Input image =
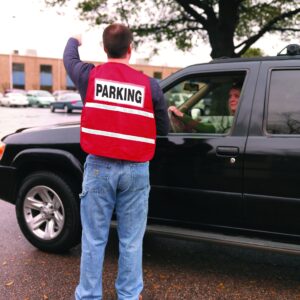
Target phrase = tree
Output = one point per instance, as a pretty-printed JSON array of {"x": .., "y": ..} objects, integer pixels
[
  {"x": 253, "y": 52},
  {"x": 230, "y": 26}
]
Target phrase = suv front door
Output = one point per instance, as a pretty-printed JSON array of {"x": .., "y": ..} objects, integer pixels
[{"x": 197, "y": 178}]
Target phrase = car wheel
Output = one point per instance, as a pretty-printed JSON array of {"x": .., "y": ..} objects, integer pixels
[
  {"x": 66, "y": 109},
  {"x": 52, "y": 108},
  {"x": 47, "y": 210}
]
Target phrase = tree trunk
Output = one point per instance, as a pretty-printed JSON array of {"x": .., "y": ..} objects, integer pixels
[
  {"x": 221, "y": 44},
  {"x": 221, "y": 33}
]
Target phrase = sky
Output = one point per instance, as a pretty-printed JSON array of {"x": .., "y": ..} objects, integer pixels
[{"x": 29, "y": 24}]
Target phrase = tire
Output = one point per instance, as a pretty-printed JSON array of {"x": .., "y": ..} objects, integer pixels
[
  {"x": 67, "y": 109},
  {"x": 48, "y": 199},
  {"x": 52, "y": 108}
]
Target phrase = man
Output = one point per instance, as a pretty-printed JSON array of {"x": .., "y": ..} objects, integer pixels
[
  {"x": 124, "y": 109},
  {"x": 198, "y": 126}
]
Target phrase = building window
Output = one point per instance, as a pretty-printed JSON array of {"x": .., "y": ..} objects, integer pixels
[
  {"x": 70, "y": 84},
  {"x": 46, "y": 77},
  {"x": 18, "y": 76},
  {"x": 157, "y": 75}
]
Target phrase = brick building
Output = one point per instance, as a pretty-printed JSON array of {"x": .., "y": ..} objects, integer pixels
[{"x": 32, "y": 72}]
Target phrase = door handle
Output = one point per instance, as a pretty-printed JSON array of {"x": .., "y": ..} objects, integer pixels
[{"x": 227, "y": 151}]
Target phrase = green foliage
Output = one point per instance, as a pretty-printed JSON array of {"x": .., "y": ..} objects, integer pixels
[
  {"x": 256, "y": 14},
  {"x": 253, "y": 52},
  {"x": 231, "y": 26}
]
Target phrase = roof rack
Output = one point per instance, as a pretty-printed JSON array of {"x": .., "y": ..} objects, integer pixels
[{"x": 291, "y": 49}]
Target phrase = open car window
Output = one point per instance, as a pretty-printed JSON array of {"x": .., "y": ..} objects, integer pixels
[{"x": 206, "y": 104}]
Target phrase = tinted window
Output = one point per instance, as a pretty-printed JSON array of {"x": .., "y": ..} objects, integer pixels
[
  {"x": 73, "y": 96},
  {"x": 204, "y": 103},
  {"x": 70, "y": 83},
  {"x": 284, "y": 102},
  {"x": 46, "y": 77},
  {"x": 18, "y": 76}
]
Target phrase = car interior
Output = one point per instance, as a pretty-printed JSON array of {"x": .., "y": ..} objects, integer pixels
[{"x": 203, "y": 99}]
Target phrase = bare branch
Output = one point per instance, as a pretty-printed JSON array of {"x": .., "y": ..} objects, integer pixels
[
  {"x": 263, "y": 30},
  {"x": 286, "y": 29},
  {"x": 186, "y": 6},
  {"x": 162, "y": 27}
]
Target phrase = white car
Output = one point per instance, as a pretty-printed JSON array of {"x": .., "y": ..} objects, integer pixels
[{"x": 14, "y": 99}]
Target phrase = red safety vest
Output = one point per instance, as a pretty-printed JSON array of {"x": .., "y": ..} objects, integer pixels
[{"x": 117, "y": 120}]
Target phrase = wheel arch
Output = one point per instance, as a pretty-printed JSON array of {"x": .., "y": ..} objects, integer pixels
[{"x": 57, "y": 161}]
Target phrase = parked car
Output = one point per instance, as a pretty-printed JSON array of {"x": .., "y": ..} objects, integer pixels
[
  {"x": 238, "y": 185},
  {"x": 14, "y": 99},
  {"x": 68, "y": 102},
  {"x": 19, "y": 91},
  {"x": 39, "y": 98},
  {"x": 58, "y": 93}
]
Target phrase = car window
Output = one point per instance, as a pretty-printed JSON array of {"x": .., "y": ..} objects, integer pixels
[
  {"x": 44, "y": 94},
  {"x": 283, "y": 102},
  {"x": 206, "y": 104},
  {"x": 70, "y": 96}
]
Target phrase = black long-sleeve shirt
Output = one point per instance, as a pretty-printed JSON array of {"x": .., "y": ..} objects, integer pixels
[{"x": 79, "y": 72}]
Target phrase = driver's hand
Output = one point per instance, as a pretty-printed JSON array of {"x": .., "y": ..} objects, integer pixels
[{"x": 175, "y": 111}]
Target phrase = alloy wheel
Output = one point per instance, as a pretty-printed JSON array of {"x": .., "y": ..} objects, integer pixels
[{"x": 44, "y": 212}]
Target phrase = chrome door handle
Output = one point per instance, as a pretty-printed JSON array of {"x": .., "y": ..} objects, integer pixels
[{"x": 227, "y": 151}]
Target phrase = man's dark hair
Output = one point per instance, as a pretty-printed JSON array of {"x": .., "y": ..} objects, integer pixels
[{"x": 116, "y": 40}]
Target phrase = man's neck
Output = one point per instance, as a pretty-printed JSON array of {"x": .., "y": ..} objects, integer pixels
[{"x": 119, "y": 60}]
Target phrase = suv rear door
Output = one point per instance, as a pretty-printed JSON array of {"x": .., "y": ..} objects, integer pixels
[
  {"x": 272, "y": 160},
  {"x": 197, "y": 178}
]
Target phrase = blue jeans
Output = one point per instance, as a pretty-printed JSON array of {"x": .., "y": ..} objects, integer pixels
[{"x": 110, "y": 184}]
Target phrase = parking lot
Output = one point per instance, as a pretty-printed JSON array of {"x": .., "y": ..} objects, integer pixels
[
  {"x": 13, "y": 118},
  {"x": 173, "y": 269}
]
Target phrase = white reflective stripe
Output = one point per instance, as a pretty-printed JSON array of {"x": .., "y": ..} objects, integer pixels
[
  {"x": 118, "y": 135},
  {"x": 120, "y": 109}
]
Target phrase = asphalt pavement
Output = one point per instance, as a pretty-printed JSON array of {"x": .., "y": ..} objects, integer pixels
[
  {"x": 173, "y": 269},
  {"x": 13, "y": 118}
]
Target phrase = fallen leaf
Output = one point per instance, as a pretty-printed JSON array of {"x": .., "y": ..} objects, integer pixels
[
  {"x": 4, "y": 263},
  {"x": 45, "y": 297},
  {"x": 9, "y": 283},
  {"x": 221, "y": 286}
]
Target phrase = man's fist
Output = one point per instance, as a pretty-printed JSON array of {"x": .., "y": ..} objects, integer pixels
[
  {"x": 78, "y": 38},
  {"x": 176, "y": 111}
]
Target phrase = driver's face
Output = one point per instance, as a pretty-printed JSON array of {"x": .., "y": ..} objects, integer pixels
[{"x": 234, "y": 96}]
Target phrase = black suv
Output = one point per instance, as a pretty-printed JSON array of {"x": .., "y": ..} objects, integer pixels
[{"x": 238, "y": 184}]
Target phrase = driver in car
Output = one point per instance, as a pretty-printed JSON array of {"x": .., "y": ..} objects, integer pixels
[{"x": 192, "y": 125}]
